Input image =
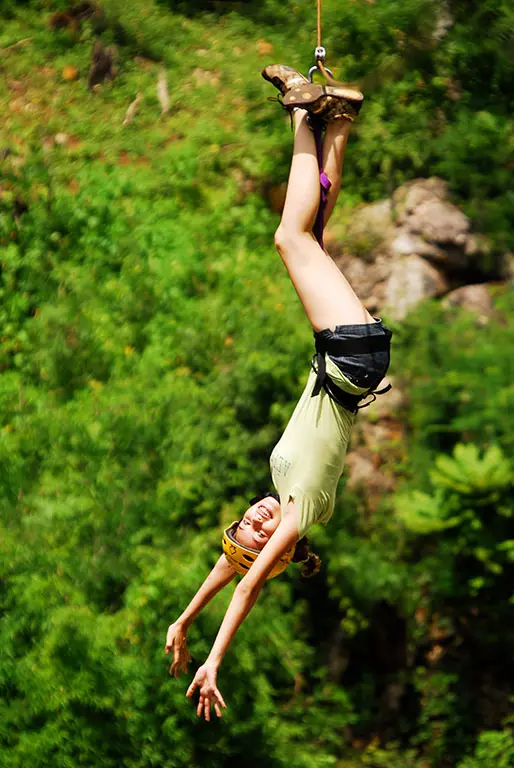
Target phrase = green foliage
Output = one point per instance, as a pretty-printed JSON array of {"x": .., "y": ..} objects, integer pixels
[
  {"x": 459, "y": 482},
  {"x": 494, "y": 749},
  {"x": 478, "y": 168},
  {"x": 439, "y": 721}
]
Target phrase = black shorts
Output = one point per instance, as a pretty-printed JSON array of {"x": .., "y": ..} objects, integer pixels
[{"x": 367, "y": 367}]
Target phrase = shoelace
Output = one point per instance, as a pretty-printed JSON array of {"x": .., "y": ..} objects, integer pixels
[{"x": 290, "y": 110}]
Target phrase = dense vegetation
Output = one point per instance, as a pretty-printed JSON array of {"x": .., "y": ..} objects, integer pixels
[{"x": 151, "y": 351}]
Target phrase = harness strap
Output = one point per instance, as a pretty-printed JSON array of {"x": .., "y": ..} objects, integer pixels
[
  {"x": 340, "y": 347},
  {"x": 345, "y": 399},
  {"x": 320, "y": 368},
  {"x": 345, "y": 347},
  {"x": 324, "y": 183}
]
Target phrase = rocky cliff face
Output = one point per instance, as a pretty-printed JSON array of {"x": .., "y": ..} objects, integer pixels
[
  {"x": 414, "y": 246},
  {"x": 396, "y": 253}
]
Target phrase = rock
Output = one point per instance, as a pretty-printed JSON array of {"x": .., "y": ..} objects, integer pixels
[
  {"x": 407, "y": 197},
  {"x": 412, "y": 280},
  {"x": 440, "y": 222},
  {"x": 406, "y": 243},
  {"x": 475, "y": 298},
  {"x": 398, "y": 252},
  {"x": 373, "y": 223},
  {"x": 361, "y": 468},
  {"x": 363, "y": 472},
  {"x": 371, "y": 303},
  {"x": 367, "y": 279}
]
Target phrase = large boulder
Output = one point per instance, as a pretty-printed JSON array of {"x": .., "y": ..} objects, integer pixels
[
  {"x": 398, "y": 252},
  {"x": 476, "y": 298},
  {"x": 439, "y": 222},
  {"x": 363, "y": 471},
  {"x": 414, "y": 193},
  {"x": 411, "y": 280}
]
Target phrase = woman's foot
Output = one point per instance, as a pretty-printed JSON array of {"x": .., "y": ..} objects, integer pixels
[
  {"x": 325, "y": 102},
  {"x": 284, "y": 78}
]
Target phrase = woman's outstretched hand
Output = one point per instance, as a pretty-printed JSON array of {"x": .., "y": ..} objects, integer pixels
[
  {"x": 176, "y": 641},
  {"x": 205, "y": 680}
]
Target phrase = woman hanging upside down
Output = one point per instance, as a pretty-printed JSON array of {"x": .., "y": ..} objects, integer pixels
[{"x": 352, "y": 357}]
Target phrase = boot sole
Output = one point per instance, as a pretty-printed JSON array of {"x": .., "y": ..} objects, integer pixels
[{"x": 320, "y": 99}]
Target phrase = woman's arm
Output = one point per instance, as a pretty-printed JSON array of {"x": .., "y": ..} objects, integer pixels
[
  {"x": 221, "y": 575},
  {"x": 243, "y": 600}
]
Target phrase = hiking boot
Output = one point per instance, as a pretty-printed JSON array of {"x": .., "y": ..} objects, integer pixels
[
  {"x": 283, "y": 78},
  {"x": 326, "y": 102}
]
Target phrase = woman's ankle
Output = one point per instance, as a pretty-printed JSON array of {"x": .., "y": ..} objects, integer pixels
[
  {"x": 299, "y": 115},
  {"x": 340, "y": 127}
]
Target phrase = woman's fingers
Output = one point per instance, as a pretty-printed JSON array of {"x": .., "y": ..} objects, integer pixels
[
  {"x": 180, "y": 661},
  {"x": 170, "y": 639},
  {"x": 175, "y": 669},
  {"x": 191, "y": 689},
  {"x": 177, "y": 659},
  {"x": 169, "y": 645},
  {"x": 220, "y": 698},
  {"x": 209, "y": 696}
]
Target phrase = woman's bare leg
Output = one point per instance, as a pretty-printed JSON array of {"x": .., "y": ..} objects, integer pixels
[
  {"x": 334, "y": 147},
  {"x": 326, "y": 295}
]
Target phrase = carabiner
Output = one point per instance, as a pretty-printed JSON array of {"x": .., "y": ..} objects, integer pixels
[{"x": 313, "y": 69}]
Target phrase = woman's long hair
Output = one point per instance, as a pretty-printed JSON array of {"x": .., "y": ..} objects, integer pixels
[{"x": 302, "y": 554}]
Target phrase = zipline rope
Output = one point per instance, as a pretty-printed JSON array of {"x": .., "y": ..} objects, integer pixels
[{"x": 320, "y": 53}]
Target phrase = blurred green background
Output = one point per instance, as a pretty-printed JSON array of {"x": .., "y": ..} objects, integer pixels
[{"x": 151, "y": 352}]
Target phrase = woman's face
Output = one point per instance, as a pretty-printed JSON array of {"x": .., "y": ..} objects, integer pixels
[{"x": 259, "y": 523}]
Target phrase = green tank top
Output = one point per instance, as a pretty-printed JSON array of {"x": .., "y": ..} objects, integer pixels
[{"x": 308, "y": 460}]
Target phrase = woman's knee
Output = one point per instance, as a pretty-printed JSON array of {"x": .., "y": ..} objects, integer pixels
[{"x": 286, "y": 239}]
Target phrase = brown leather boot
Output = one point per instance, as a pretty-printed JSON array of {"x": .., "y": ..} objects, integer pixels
[
  {"x": 326, "y": 102},
  {"x": 283, "y": 78}
]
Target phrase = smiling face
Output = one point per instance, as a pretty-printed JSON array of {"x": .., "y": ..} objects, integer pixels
[{"x": 259, "y": 523}]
